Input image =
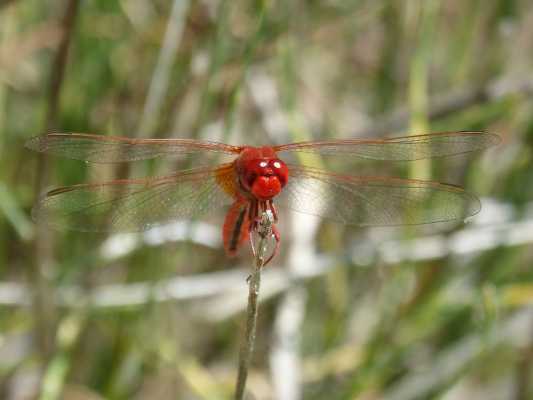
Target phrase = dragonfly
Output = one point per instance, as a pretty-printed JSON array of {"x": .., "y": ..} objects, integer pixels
[{"x": 251, "y": 184}]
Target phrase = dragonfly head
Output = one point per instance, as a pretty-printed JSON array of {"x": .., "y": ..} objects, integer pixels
[{"x": 264, "y": 177}]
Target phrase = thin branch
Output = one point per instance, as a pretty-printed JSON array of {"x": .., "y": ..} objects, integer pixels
[
  {"x": 44, "y": 307},
  {"x": 254, "y": 282},
  {"x": 59, "y": 64}
]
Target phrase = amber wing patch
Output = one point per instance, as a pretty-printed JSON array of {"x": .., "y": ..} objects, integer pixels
[{"x": 227, "y": 180}]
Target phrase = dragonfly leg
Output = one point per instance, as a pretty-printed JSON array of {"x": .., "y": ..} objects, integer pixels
[
  {"x": 253, "y": 216},
  {"x": 257, "y": 212},
  {"x": 272, "y": 208},
  {"x": 277, "y": 238},
  {"x": 251, "y": 239}
]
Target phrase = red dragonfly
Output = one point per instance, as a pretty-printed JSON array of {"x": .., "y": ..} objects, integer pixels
[{"x": 251, "y": 182}]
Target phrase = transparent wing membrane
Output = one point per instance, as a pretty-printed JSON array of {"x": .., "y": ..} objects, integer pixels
[
  {"x": 376, "y": 201},
  {"x": 136, "y": 205},
  {"x": 406, "y": 148},
  {"x": 110, "y": 149}
]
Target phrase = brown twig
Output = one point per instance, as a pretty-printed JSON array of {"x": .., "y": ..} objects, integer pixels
[
  {"x": 450, "y": 103},
  {"x": 254, "y": 282},
  {"x": 43, "y": 302}
]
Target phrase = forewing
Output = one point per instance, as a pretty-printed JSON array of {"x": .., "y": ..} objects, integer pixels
[
  {"x": 111, "y": 149},
  {"x": 376, "y": 201},
  {"x": 406, "y": 148},
  {"x": 136, "y": 205}
]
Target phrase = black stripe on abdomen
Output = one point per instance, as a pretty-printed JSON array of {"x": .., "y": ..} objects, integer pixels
[{"x": 236, "y": 232}]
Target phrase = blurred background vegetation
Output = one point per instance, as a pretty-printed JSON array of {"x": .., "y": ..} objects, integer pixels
[{"x": 431, "y": 312}]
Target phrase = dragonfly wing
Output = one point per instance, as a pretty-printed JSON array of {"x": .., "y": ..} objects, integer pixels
[
  {"x": 111, "y": 149},
  {"x": 136, "y": 205},
  {"x": 406, "y": 148},
  {"x": 376, "y": 201}
]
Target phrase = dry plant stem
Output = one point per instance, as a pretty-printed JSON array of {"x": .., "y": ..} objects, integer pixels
[
  {"x": 43, "y": 300},
  {"x": 254, "y": 282}
]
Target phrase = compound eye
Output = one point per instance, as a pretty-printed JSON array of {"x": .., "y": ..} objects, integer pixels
[
  {"x": 277, "y": 164},
  {"x": 250, "y": 178},
  {"x": 263, "y": 164}
]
